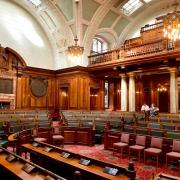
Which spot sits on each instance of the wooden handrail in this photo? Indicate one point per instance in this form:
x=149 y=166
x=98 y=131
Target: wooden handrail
x=151 y=26
x=35 y=165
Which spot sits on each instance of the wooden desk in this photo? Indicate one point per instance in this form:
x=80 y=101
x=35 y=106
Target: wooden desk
x=163 y=176
x=78 y=135
x=72 y=135
x=54 y=161
x=13 y=170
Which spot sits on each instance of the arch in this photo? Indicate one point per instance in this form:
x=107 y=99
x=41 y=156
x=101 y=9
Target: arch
x=109 y=35
x=151 y=12
x=19 y=57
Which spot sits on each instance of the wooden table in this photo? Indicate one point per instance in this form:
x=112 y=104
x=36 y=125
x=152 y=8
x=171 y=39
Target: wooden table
x=163 y=176
x=13 y=170
x=72 y=164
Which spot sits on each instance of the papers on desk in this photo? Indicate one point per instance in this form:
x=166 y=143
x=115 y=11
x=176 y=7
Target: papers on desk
x=35 y=144
x=28 y=168
x=85 y=162
x=48 y=149
x=10 y=158
x=109 y=170
x=65 y=155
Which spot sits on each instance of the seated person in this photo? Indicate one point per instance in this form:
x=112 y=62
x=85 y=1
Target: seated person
x=154 y=111
x=145 y=109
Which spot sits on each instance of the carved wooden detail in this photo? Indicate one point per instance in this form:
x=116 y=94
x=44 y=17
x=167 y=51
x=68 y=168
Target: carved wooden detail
x=38 y=86
x=151 y=43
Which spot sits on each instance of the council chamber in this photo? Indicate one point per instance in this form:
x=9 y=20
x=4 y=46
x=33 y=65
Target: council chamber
x=90 y=89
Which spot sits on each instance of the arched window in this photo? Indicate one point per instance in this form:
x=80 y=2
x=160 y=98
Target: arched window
x=99 y=45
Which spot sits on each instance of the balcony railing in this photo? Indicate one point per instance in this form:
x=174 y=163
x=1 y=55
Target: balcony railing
x=151 y=27
x=123 y=54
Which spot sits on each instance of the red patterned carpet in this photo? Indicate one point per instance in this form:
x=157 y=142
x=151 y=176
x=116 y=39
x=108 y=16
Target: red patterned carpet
x=144 y=171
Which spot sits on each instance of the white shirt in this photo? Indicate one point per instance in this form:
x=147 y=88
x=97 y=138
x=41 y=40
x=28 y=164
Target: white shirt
x=145 y=107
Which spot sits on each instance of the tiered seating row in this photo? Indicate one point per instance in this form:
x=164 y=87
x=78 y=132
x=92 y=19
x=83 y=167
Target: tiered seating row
x=20 y=120
x=116 y=118
x=168 y=133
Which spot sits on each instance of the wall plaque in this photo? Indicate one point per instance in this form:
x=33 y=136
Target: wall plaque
x=38 y=86
x=6 y=86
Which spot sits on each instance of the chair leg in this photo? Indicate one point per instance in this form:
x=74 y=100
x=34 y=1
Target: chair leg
x=129 y=153
x=139 y=156
x=144 y=157
x=157 y=158
x=121 y=152
x=166 y=161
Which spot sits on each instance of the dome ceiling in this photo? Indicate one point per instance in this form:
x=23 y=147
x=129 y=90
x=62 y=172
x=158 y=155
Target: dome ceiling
x=63 y=19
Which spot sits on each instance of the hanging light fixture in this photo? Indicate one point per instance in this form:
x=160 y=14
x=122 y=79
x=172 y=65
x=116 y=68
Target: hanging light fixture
x=172 y=24
x=75 y=50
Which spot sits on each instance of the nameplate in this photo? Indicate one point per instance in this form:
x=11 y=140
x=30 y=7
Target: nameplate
x=10 y=158
x=65 y=155
x=28 y=168
x=85 y=162
x=35 y=144
x=48 y=178
x=111 y=171
x=48 y=149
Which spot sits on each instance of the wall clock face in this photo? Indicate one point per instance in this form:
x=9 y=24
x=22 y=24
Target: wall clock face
x=38 y=87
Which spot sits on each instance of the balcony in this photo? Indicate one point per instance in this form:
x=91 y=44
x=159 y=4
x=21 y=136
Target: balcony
x=150 y=45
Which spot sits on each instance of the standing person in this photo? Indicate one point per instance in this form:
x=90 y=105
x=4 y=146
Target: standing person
x=145 y=109
x=154 y=111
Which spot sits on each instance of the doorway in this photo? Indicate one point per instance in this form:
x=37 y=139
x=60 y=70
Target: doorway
x=163 y=101
x=64 y=98
x=93 y=99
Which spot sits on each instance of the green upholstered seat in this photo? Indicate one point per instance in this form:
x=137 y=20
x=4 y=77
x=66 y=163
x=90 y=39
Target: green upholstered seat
x=168 y=127
x=176 y=121
x=3 y=143
x=140 y=116
x=142 y=131
x=1 y=128
x=154 y=125
x=14 y=129
x=129 y=129
x=173 y=135
x=157 y=133
x=153 y=119
x=142 y=124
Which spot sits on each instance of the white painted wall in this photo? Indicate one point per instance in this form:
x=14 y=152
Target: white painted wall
x=21 y=32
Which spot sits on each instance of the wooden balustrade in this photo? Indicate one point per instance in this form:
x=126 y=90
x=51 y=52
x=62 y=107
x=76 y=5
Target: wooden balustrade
x=139 y=47
x=151 y=26
x=144 y=49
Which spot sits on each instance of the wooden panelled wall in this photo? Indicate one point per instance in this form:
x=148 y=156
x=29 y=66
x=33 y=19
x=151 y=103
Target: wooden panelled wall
x=76 y=88
x=65 y=90
x=24 y=96
x=79 y=90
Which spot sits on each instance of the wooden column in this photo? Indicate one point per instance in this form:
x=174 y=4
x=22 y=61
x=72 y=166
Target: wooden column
x=173 y=91
x=131 y=92
x=123 y=93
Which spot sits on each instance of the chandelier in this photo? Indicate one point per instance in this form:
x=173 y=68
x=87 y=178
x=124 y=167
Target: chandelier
x=172 y=25
x=161 y=88
x=75 y=50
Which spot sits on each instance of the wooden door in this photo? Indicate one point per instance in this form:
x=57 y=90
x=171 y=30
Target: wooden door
x=163 y=101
